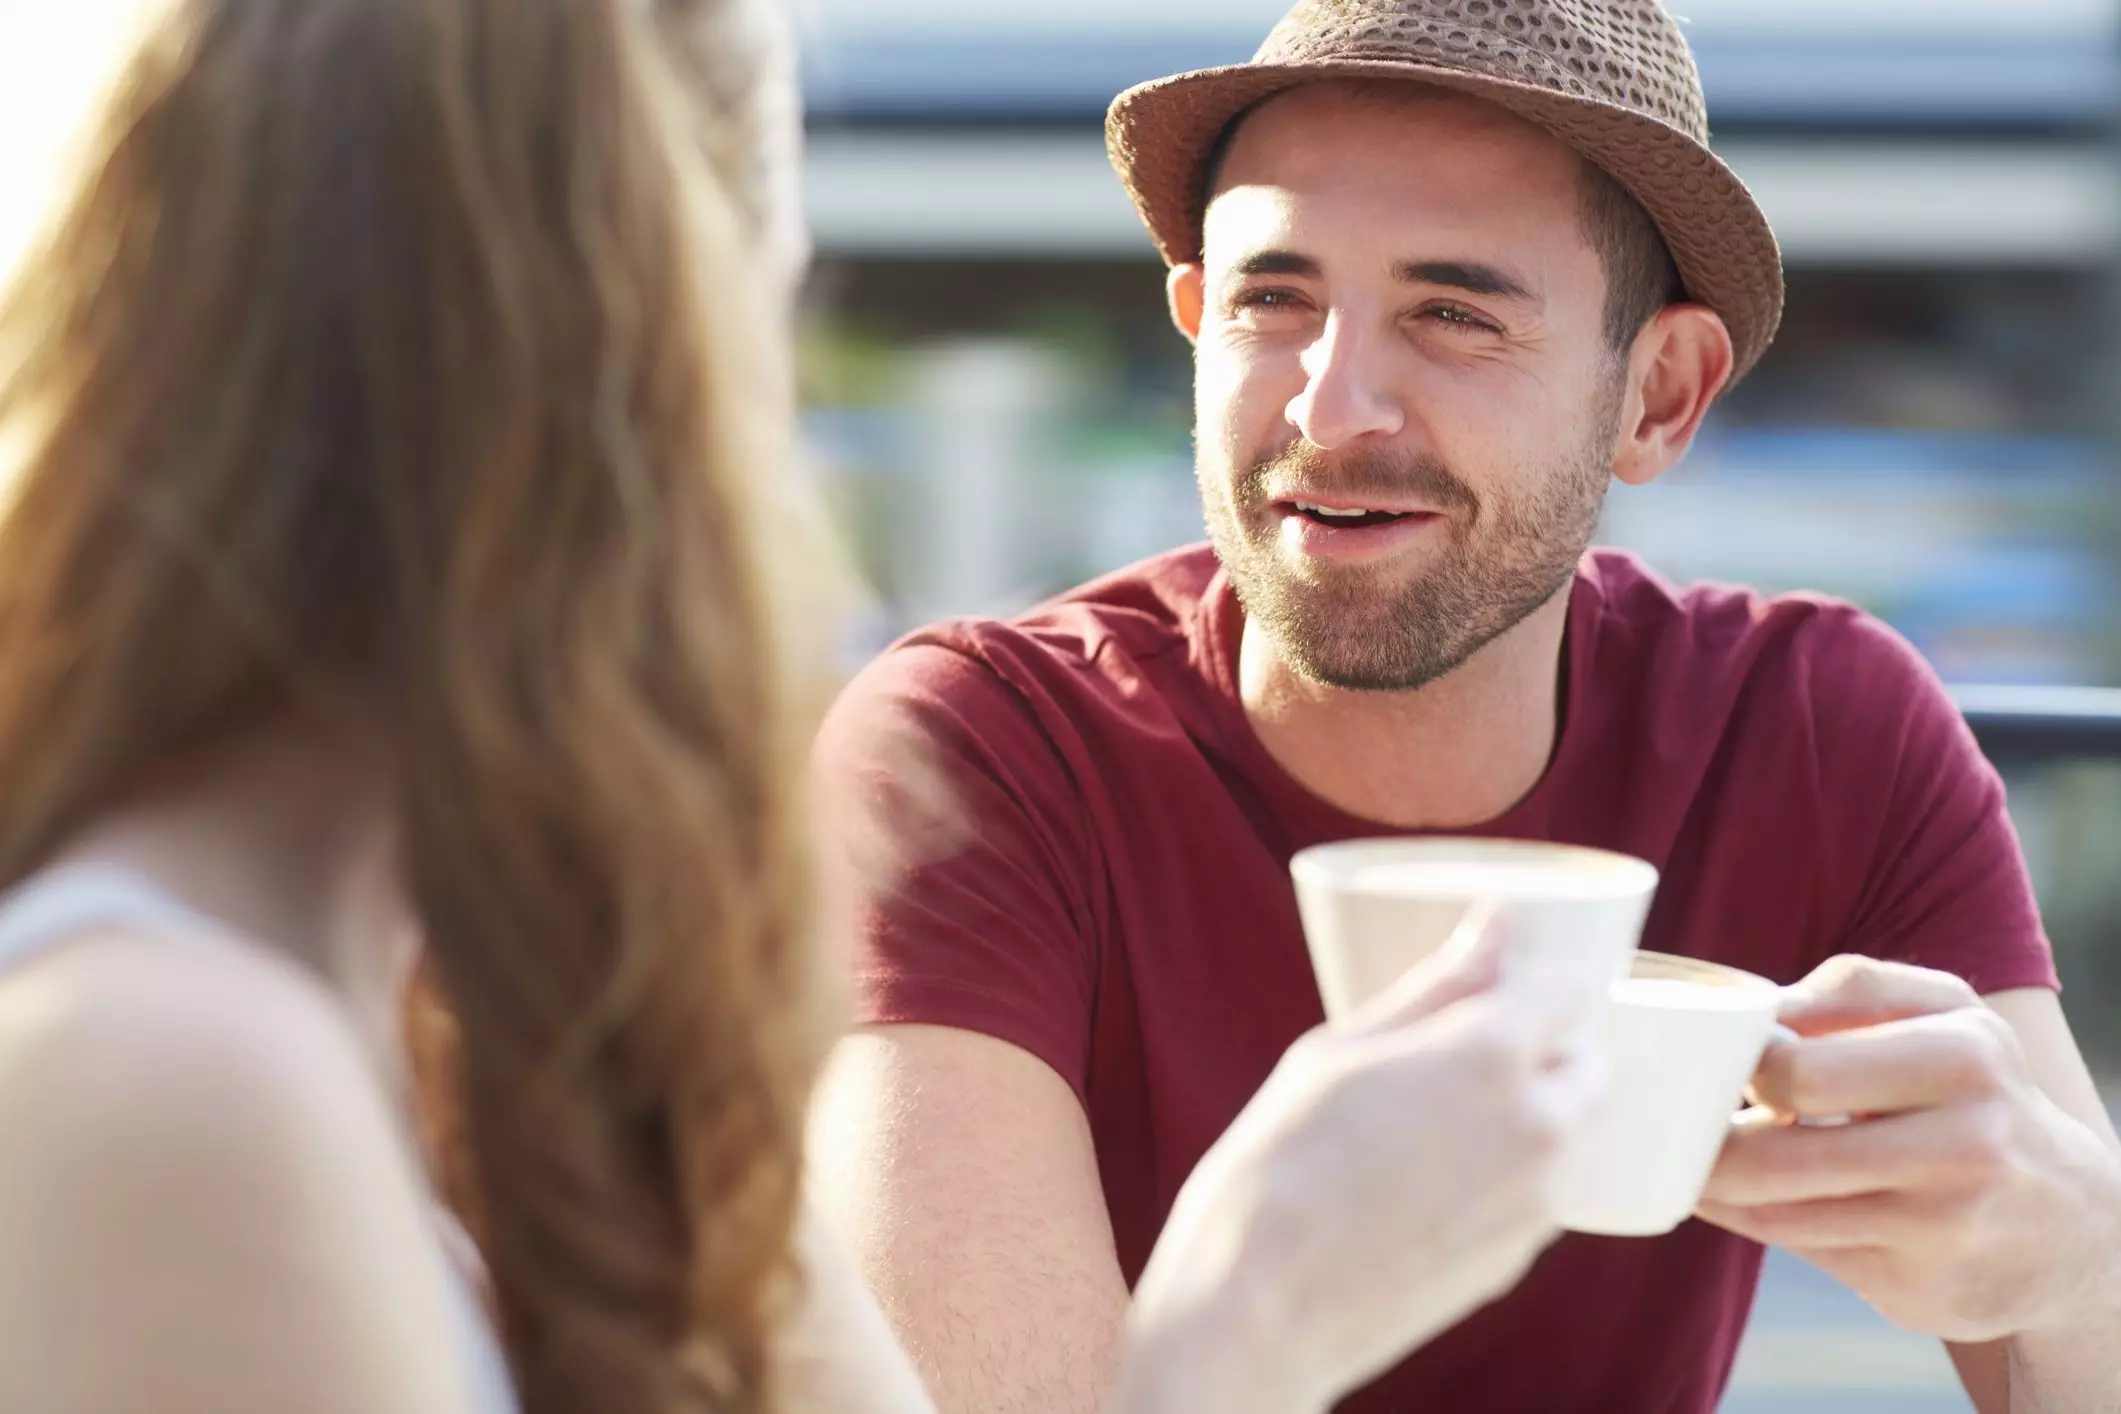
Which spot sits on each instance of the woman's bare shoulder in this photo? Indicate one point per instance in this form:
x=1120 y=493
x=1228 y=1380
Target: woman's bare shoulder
x=206 y=1202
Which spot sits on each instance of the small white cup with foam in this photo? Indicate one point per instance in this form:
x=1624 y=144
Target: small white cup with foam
x=1681 y=1037
x=1373 y=908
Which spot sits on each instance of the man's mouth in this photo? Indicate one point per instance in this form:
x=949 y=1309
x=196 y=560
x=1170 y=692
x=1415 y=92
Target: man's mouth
x=1346 y=517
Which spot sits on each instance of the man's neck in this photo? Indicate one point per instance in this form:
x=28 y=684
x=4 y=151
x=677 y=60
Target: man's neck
x=1451 y=755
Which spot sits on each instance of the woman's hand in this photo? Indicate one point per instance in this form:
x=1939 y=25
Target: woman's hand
x=1388 y=1179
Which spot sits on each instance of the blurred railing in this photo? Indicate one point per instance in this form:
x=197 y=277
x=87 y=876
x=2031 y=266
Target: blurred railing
x=2026 y=725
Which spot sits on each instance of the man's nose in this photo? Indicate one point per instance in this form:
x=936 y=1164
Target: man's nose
x=1345 y=396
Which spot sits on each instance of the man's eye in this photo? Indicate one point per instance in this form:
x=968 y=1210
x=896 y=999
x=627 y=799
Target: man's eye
x=1459 y=320
x=1267 y=299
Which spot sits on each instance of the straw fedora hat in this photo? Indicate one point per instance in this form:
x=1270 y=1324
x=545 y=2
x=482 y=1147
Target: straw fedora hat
x=1611 y=78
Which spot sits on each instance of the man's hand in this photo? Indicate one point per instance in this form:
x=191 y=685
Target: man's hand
x=1958 y=1199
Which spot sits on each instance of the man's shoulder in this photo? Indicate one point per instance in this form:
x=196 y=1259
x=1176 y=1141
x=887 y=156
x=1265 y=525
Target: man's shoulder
x=1106 y=648
x=1726 y=630
x=1143 y=610
x=1085 y=638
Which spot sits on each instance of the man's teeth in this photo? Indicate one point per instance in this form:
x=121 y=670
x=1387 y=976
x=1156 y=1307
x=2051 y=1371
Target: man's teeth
x=1328 y=512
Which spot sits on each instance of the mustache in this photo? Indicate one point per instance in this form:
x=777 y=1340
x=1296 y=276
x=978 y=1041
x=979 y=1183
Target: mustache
x=1357 y=476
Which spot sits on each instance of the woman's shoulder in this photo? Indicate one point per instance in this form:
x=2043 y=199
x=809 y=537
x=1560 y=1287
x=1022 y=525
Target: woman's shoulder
x=128 y=1033
x=168 y=1009
x=204 y=1174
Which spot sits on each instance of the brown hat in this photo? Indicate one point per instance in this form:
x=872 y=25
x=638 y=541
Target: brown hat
x=1611 y=78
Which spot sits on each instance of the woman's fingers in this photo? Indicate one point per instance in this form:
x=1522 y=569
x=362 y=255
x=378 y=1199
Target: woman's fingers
x=1468 y=964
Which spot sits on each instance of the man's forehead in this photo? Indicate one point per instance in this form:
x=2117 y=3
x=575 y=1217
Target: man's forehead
x=1396 y=151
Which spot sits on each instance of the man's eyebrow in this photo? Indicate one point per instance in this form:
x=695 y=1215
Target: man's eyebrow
x=1276 y=262
x=1472 y=276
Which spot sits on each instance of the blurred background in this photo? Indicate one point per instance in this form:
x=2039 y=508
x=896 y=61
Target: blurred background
x=1000 y=408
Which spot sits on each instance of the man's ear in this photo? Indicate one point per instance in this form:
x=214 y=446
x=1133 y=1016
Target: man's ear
x=1186 y=290
x=1678 y=365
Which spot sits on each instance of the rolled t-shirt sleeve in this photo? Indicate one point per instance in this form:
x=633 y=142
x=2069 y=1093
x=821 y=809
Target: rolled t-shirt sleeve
x=960 y=831
x=1943 y=881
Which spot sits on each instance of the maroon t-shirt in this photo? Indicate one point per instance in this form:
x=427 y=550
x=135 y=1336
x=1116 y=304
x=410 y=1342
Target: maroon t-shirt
x=1118 y=902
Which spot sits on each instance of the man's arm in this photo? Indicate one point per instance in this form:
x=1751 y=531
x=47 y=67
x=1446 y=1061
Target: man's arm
x=1977 y=1195
x=960 y=1173
x=2072 y=1366
x=1970 y=1101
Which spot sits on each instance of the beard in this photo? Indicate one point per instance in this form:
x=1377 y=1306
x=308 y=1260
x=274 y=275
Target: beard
x=1367 y=628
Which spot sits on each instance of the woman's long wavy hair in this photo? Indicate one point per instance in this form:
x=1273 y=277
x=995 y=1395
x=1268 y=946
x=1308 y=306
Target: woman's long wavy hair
x=398 y=363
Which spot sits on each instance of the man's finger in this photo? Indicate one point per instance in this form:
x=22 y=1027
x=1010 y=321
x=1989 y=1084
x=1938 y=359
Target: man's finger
x=1890 y=1068
x=1880 y=1220
x=1769 y=1164
x=1847 y=992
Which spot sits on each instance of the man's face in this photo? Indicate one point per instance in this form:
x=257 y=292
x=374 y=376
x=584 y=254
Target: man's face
x=1402 y=319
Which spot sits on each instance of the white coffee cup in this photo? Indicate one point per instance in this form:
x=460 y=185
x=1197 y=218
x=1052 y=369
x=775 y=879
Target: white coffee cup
x=1373 y=908
x=1681 y=1037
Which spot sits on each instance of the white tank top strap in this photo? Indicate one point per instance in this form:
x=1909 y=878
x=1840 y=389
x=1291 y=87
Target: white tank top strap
x=54 y=906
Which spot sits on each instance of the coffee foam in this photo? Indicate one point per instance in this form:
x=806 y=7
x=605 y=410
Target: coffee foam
x=1672 y=993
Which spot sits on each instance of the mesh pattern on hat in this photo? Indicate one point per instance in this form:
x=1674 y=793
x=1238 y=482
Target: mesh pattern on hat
x=1628 y=53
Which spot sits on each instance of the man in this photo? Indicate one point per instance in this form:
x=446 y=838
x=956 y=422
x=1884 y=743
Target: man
x=1447 y=268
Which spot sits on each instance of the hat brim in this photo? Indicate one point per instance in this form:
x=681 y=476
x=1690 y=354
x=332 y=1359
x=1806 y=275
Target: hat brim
x=1159 y=135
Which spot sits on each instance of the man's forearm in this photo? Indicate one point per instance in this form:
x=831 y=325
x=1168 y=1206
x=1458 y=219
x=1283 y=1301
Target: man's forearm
x=2074 y=1365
